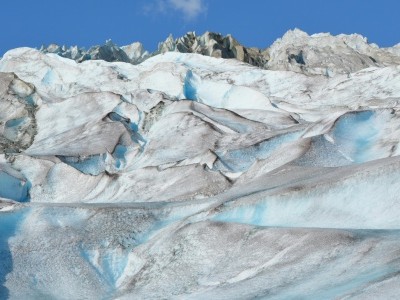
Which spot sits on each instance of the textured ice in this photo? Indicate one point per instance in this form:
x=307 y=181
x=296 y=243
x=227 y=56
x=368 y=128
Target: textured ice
x=186 y=176
x=9 y=223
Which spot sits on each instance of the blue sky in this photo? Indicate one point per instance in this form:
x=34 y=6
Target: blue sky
x=253 y=22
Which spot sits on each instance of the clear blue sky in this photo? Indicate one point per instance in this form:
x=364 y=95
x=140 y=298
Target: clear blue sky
x=253 y=22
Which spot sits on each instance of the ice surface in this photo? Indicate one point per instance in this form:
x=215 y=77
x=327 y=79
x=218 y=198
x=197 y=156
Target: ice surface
x=9 y=223
x=15 y=188
x=186 y=176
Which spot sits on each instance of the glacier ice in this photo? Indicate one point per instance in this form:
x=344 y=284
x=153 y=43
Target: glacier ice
x=204 y=170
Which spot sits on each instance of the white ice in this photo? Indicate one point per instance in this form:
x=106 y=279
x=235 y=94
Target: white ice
x=187 y=176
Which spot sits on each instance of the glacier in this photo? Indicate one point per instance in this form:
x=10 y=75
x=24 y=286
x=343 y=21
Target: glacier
x=203 y=170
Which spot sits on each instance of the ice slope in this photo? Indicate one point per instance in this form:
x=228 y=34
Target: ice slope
x=188 y=176
x=113 y=252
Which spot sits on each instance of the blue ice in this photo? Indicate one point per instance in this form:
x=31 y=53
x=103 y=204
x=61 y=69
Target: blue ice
x=13 y=126
x=355 y=134
x=152 y=231
x=132 y=127
x=116 y=117
x=114 y=265
x=138 y=139
x=338 y=290
x=189 y=88
x=30 y=100
x=119 y=155
x=247 y=214
x=48 y=77
x=15 y=122
x=9 y=222
x=14 y=188
x=92 y=165
x=108 y=264
x=240 y=160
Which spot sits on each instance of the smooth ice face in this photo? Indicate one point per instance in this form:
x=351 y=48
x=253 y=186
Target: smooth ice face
x=15 y=188
x=367 y=135
x=188 y=176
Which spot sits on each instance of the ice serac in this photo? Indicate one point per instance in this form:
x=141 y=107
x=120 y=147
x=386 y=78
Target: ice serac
x=324 y=54
x=318 y=54
x=214 y=45
x=209 y=44
x=204 y=170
